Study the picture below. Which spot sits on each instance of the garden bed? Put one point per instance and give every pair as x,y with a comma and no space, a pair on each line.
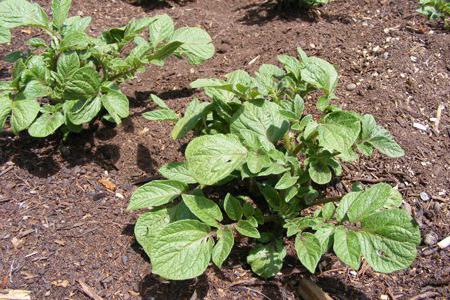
62,204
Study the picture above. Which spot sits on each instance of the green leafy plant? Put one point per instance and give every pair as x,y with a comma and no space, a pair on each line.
71,77
255,171
436,10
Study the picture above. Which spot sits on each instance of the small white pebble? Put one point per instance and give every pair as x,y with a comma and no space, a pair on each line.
413,59
120,196
420,126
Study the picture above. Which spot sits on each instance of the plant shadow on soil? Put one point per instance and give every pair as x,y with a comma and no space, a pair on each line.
261,13
38,156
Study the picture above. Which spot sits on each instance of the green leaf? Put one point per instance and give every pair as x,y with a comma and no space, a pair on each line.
346,246
182,250
75,40
257,161
261,117
194,113
324,235
388,240
286,181
68,64
116,104
197,44
369,201
76,23
211,158
84,111
60,10
177,171
84,84
160,29
156,193
159,102
223,246
36,89
319,73
162,53
327,210
266,260
46,124
345,204
148,226
5,35
339,131
308,250
204,209
379,138
24,111
319,172
15,13
247,229
161,115
297,225
233,207
5,109
36,42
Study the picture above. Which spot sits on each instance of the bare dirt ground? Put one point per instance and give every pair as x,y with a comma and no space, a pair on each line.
60,225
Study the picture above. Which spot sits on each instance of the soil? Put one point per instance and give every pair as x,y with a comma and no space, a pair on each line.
60,224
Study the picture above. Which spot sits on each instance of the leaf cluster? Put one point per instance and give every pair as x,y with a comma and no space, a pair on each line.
436,10
255,133
70,77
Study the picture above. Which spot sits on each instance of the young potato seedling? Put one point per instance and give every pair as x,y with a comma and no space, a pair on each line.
70,77
256,141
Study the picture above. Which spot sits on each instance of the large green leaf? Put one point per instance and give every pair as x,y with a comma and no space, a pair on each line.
160,29
319,73
182,250
84,111
177,171
75,40
345,204
67,65
339,131
346,246
211,158
60,10
225,242
5,35
156,193
24,111
5,109
204,209
388,240
261,117
117,105
369,201
308,250
46,124
149,224
14,13
194,113
380,138
161,115
84,84
233,207
36,89
246,228
319,172
266,260
197,44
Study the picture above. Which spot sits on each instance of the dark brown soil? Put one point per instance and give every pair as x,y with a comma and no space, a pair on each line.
59,224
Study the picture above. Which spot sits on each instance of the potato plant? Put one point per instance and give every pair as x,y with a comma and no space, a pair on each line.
257,169
436,10
71,77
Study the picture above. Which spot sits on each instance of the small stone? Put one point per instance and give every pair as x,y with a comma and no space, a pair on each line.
424,196
376,49
124,259
413,59
350,87
420,126
431,238
353,273
384,297
386,55
120,196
